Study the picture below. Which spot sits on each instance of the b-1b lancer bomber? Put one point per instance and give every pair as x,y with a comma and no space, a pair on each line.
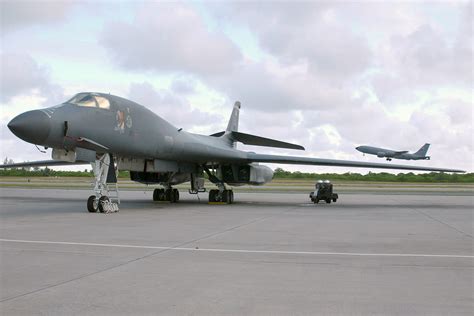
112,133
389,153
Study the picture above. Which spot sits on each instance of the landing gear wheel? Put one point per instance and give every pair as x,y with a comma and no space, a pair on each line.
226,196
231,197
159,195
156,194
169,195
103,199
213,197
92,204
176,195
328,201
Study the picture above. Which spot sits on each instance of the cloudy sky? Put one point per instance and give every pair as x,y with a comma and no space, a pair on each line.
327,75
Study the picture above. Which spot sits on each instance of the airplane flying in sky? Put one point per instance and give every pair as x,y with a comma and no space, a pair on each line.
112,133
389,153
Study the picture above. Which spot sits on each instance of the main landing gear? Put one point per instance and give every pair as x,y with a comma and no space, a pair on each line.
221,194
104,174
168,195
224,196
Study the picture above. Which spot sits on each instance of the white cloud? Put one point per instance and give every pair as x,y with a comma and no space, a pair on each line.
21,75
19,14
169,37
172,107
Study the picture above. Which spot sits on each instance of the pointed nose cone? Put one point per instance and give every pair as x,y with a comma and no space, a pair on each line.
32,126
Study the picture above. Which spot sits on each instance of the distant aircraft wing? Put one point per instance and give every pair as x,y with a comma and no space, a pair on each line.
253,157
43,163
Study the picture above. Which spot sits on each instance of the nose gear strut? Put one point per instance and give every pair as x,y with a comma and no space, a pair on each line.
105,174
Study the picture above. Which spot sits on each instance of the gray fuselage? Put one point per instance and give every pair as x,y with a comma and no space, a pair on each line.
126,129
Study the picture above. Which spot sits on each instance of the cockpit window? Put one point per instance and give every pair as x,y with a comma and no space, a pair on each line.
102,102
90,100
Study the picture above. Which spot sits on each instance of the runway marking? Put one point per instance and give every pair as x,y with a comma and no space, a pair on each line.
315,253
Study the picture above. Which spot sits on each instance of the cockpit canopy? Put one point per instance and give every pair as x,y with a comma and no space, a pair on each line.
92,100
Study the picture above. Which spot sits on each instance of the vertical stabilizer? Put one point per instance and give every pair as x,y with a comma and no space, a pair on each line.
423,150
233,125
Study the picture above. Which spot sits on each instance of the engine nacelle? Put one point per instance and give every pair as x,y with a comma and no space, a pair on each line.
381,154
253,174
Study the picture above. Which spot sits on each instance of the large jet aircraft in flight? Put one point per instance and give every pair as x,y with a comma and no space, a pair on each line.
112,133
389,153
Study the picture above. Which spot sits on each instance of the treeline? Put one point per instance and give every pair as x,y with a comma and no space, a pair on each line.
279,174
381,176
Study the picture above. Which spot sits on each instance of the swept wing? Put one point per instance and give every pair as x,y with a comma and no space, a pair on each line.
253,157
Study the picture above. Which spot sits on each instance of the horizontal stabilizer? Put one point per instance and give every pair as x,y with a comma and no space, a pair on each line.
262,141
219,134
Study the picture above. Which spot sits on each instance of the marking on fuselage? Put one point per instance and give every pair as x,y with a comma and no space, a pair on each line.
278,252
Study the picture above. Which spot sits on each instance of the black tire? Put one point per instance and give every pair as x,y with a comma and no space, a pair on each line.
231,197
328,201
103,199
217,198
156,194
176,195
334,200
92,206
225,196
160,195
212,194
169,197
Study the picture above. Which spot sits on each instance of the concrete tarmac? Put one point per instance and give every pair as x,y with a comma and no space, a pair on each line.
267,254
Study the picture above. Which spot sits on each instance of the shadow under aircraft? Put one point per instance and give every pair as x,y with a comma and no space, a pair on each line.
112,133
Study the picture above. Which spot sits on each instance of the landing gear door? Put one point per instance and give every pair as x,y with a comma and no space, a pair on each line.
111,175
68,141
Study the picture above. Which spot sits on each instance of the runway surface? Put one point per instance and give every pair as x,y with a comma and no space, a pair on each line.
269,253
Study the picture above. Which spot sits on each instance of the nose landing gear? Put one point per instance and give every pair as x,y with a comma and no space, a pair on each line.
104,174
